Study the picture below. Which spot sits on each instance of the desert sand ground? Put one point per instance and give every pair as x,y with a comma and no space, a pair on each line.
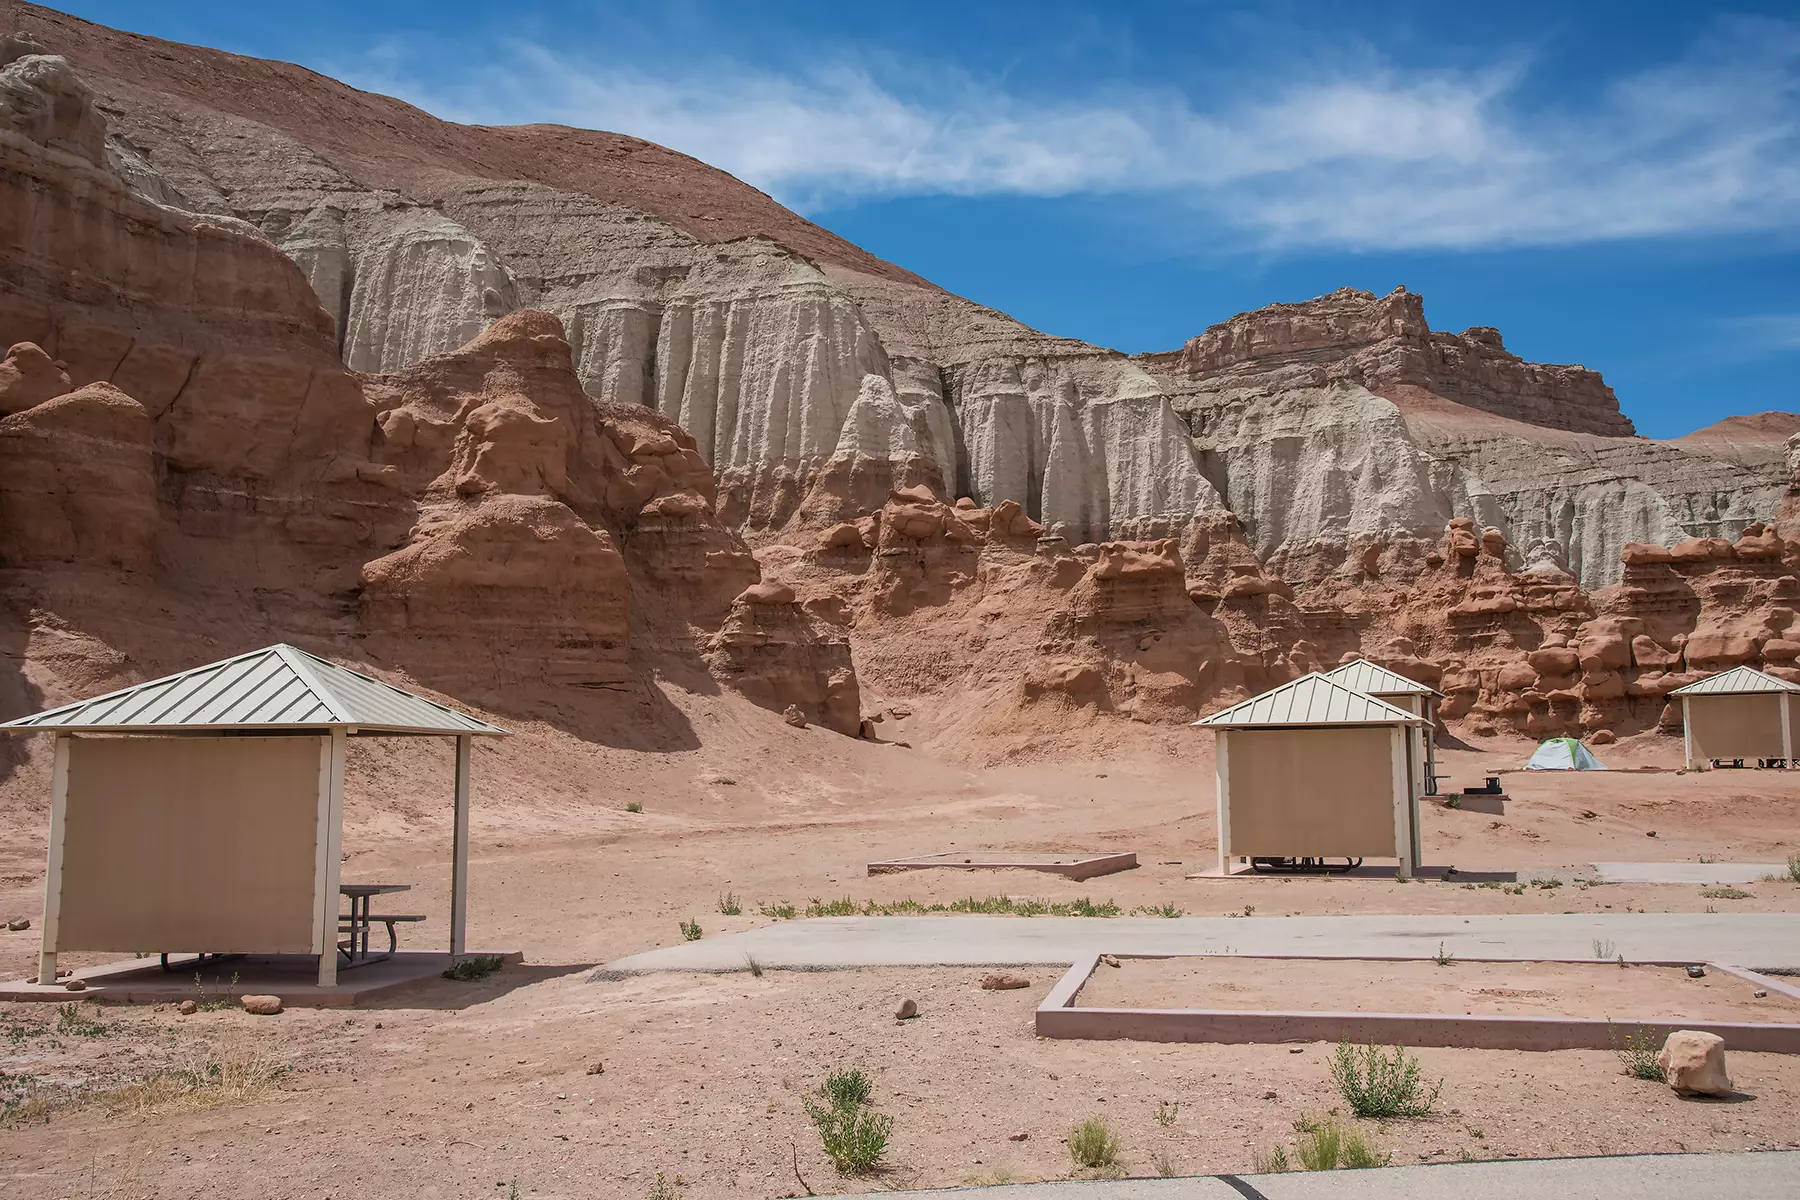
481,1089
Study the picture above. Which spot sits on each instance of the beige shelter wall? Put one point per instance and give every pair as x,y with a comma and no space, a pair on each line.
190,844
1746,726
1297,793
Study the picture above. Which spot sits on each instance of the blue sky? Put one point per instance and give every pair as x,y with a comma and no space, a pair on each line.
1615,184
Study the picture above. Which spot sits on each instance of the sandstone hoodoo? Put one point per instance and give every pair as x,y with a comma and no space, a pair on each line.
708,436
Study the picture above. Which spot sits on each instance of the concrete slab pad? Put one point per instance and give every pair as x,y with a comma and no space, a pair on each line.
1685,872
1756,940
1069,866
290,976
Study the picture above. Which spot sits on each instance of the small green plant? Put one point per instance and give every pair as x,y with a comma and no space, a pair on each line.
728,904
754,967
1320,1144
847,1087
1379,1083
854,1135
690,930
1093,1145
1360,1150
664,1187
1165,1166
1463,1155
1443,957
1514,889
1156,910
1793,868
474,966
72,1021
212,1003
1549,882
1638,1051
831,908
1329,1143
1603,950
778,912
1725,893
634,806
1274,1162
1167,1111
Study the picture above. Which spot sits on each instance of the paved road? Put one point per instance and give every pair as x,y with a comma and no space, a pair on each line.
829,943
1639,1177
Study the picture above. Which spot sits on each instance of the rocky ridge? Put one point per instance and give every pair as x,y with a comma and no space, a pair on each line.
544,507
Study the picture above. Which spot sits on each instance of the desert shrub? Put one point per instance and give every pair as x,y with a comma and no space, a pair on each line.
690,930
1725,893
473,966
780,912
729,904
845,907
1167,1111
1638,1052
853,1134
1377,1083
634,806
1794,868
1092,1144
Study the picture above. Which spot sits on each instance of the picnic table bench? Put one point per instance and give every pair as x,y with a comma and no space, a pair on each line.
357,921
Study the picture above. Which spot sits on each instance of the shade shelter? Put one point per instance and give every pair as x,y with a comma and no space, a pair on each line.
1740,713
1421,746
204,812
1315,769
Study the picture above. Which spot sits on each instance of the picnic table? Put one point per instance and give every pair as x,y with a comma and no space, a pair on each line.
357,921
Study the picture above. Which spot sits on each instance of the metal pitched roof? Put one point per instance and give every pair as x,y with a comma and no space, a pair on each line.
1310,700
1735,682
278,687
1364,676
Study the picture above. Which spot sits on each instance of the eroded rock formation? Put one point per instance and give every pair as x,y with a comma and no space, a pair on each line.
508,409
178,434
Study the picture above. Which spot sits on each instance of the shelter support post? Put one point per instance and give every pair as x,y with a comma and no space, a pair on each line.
1430,706
1404,817
330,842
1222,786
1687,734
1787,736
459,864
59,821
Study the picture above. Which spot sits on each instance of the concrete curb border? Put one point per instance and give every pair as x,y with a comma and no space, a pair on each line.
1057,1017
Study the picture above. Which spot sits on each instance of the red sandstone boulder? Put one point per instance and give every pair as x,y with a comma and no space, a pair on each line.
1715,649
1642,553
28,377
1553,661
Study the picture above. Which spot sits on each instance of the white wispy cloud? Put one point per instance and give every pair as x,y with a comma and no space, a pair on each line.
1385,158
1762,333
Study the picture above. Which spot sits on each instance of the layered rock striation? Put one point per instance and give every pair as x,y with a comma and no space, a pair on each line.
185,461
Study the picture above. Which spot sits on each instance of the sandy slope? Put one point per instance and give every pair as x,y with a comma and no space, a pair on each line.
454,1089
